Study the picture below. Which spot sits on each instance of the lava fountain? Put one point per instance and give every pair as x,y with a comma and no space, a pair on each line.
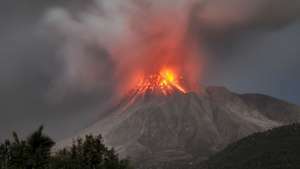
164,82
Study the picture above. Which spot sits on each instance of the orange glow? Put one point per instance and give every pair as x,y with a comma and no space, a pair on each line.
165,82
158,60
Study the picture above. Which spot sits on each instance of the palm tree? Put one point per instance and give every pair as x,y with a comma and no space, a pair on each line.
39,149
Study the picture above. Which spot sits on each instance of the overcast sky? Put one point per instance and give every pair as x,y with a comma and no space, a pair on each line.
253,46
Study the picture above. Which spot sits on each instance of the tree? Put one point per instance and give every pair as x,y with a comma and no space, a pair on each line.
32,153
4,154
89,153
35,153
39,149
17,153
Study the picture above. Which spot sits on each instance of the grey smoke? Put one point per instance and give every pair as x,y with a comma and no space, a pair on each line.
56,67
105,24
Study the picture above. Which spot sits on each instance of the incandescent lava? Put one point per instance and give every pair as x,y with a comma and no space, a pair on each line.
165,82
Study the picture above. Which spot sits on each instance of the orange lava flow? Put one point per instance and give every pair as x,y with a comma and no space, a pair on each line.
165,82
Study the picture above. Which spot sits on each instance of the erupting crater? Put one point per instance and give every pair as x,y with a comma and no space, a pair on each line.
165,82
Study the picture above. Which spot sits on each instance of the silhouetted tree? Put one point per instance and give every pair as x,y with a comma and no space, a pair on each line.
35,153
17,153
89,153
4,154
38,149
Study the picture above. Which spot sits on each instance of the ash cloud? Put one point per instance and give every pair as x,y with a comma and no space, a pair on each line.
129,31
68,71
237,14
132,33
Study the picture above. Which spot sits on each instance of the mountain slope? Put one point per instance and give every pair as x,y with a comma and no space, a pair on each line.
179,129
273,108
278,148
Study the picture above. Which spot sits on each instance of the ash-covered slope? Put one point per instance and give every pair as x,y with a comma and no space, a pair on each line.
182,129
273,108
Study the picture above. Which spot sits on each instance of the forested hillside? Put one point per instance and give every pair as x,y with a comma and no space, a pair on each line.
278,148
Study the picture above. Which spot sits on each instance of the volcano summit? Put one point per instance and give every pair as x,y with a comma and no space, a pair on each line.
165,83
180,129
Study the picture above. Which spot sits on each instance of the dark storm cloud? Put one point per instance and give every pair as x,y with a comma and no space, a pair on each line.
253,46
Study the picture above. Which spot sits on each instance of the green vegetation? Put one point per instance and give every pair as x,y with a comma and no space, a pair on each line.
35,153
277,148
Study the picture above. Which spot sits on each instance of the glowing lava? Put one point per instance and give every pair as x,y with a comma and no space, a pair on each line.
164,82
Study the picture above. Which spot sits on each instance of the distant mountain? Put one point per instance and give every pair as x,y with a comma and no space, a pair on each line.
277,148
180,130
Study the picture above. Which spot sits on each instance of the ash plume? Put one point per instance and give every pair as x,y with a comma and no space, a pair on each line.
112,43
138,37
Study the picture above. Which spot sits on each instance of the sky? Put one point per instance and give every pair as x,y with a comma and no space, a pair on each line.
251,46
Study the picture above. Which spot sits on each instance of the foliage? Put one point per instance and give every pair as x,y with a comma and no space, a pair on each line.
88,154
32,153
35,153
277,148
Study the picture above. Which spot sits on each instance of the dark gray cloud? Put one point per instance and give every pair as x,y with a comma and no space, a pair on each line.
29,63
261,62
254,46
251,46
256,14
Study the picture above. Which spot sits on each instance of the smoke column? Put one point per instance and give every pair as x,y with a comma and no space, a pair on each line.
138,37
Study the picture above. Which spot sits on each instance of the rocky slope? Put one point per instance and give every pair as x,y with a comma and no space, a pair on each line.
180,130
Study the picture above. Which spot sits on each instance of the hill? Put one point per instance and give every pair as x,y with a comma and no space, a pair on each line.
278,148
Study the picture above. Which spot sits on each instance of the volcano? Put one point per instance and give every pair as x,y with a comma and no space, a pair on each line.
174,128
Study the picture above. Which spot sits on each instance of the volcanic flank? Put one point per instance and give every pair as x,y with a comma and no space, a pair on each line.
160,125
